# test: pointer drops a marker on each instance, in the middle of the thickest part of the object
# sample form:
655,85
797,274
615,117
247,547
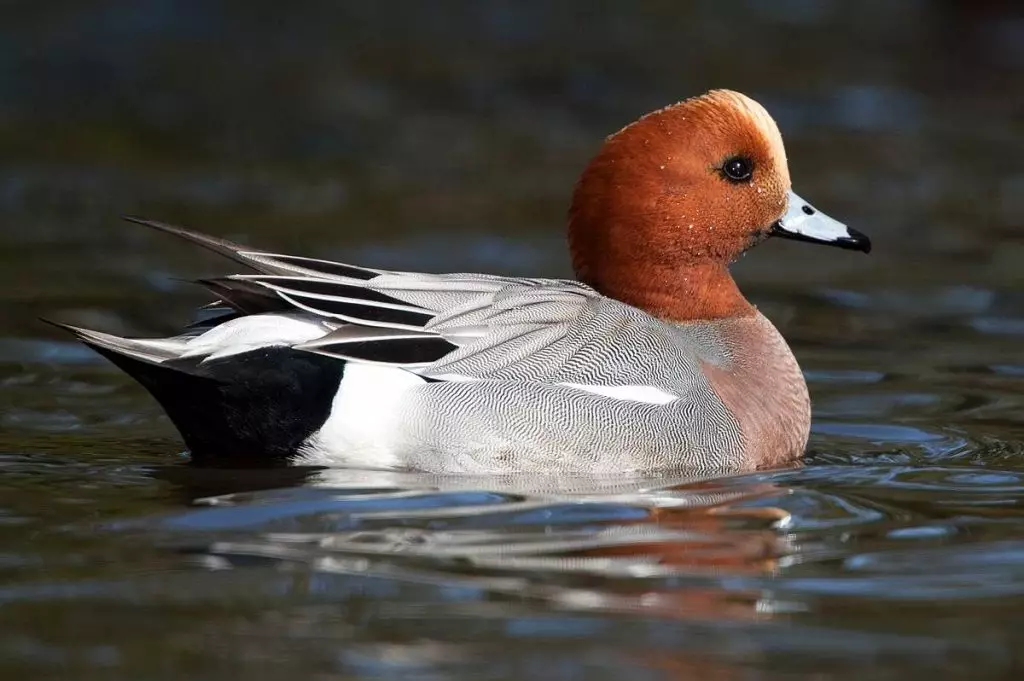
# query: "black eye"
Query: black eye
738,169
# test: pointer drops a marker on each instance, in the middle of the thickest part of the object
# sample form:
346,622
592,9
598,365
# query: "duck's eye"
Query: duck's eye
738,169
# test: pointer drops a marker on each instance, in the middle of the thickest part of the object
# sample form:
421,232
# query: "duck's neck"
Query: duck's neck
691,291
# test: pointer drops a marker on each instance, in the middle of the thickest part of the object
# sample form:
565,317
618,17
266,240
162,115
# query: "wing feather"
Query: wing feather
381,345
243,296
448,326
357,313
261,261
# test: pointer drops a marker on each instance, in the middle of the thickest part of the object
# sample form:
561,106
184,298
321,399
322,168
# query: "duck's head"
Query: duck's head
671,199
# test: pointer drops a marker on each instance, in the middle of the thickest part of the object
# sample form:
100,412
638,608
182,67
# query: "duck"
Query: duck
651,359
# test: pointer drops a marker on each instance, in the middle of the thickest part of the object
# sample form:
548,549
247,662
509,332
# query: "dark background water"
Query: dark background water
447,135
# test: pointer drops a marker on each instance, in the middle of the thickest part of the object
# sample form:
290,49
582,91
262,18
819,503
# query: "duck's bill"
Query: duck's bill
804,222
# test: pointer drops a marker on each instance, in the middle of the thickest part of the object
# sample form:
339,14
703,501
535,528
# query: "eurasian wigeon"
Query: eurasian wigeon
652,360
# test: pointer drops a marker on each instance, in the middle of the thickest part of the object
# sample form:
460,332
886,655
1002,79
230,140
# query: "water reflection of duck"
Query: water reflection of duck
660,546
656,360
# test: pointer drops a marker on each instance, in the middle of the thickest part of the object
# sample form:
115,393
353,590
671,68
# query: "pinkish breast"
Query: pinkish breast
762,386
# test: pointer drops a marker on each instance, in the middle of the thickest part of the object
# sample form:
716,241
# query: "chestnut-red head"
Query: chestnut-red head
671,199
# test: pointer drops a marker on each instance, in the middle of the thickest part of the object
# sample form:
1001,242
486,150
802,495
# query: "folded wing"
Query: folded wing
448,326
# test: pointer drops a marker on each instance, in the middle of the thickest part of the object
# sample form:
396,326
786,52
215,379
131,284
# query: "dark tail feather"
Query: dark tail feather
224,247
246,408
245,296
263,262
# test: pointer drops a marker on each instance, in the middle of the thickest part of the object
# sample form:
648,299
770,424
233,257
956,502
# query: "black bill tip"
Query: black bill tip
852,240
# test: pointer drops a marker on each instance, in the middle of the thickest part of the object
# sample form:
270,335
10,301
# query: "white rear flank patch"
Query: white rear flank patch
631,393
254,332
365,413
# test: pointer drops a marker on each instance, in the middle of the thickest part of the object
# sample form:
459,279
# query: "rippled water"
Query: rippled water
448,138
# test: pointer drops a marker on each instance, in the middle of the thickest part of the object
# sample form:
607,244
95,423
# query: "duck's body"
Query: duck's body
659,367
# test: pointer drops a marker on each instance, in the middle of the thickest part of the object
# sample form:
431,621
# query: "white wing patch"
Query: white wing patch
631,393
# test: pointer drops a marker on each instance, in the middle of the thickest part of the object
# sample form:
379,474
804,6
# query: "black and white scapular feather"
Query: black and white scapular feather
322,362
